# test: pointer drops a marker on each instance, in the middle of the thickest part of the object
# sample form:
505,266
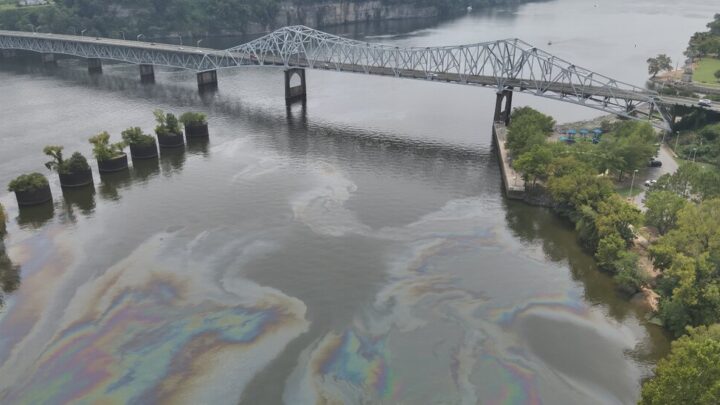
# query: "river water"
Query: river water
358,250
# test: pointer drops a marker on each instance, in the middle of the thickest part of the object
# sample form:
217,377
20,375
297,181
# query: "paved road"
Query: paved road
689,102
669,166
109,41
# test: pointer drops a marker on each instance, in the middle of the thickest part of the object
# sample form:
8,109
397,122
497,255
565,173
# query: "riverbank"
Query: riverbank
205,18
568,179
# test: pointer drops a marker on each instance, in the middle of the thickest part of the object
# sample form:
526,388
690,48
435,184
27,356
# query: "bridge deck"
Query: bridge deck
506,64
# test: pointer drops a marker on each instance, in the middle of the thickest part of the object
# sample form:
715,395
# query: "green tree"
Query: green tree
528,128
681,182
546,123
628,275
690,257
534,164
522,136
714,25
608,251
658,64
691,372
616,216
579,188
662,209
628,147
717,75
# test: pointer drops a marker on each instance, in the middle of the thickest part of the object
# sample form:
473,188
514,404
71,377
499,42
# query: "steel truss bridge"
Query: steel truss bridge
509,65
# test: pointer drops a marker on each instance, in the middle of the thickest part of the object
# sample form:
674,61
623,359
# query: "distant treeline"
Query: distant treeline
706,42
162,17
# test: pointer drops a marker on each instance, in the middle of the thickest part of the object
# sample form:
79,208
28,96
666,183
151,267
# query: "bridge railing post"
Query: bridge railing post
298,92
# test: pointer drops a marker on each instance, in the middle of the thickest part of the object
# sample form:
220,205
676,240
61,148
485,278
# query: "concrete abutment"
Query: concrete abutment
147,73
94,65
500,114
296,93
207,80
48,59
512,181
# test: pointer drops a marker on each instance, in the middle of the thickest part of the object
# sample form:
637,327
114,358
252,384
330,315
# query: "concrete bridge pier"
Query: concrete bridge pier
500,114
296,93
147,74
8,53
94,66
48,59
207,80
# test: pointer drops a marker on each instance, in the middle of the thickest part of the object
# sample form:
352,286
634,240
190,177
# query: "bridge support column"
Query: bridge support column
508,106
500,114
8,53
147,74
298,92
207,80
94,65
48,59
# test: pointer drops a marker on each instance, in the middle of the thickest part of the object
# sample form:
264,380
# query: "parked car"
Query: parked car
650,183
703,102
655,163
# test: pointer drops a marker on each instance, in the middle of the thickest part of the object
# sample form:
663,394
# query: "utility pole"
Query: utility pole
632,183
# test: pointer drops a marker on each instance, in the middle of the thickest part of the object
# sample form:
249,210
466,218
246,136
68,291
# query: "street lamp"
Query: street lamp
198,43
123,34
82,33
677,139
180,36
694,153
139,36
32,27
632,183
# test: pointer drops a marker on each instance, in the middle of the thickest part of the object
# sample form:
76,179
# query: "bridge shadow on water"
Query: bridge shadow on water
290,130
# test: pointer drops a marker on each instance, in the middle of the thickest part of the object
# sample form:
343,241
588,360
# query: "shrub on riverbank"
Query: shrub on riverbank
168,17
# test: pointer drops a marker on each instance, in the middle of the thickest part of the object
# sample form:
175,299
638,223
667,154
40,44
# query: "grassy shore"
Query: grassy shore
705,71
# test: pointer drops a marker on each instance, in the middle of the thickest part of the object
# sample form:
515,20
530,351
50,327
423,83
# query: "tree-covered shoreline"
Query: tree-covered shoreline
156,18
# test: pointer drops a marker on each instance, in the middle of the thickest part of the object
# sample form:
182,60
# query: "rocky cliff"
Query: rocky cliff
321,14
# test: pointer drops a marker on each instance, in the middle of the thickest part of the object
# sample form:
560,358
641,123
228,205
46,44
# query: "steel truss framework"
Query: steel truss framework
509,64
